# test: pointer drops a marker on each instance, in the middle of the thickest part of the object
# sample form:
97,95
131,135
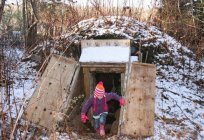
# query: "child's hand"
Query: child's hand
122,101
84,118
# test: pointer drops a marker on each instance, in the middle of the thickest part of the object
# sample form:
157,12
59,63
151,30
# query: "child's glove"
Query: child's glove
84,118
122,101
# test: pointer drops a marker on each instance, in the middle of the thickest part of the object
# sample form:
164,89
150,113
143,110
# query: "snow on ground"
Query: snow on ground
21,79
179,102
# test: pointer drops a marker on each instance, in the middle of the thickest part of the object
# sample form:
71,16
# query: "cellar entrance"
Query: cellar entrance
112,84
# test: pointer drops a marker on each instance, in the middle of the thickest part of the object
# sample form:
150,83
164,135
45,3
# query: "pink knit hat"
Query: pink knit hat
99,90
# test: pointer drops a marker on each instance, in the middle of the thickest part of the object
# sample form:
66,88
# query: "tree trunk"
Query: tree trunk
34,7
2,8
32,33
32,27
24,22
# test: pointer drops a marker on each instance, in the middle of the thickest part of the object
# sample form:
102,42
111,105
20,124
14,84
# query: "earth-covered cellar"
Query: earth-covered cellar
179,82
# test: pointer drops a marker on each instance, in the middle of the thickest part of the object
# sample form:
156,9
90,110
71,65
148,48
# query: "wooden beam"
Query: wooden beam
86,81
103,65
107,70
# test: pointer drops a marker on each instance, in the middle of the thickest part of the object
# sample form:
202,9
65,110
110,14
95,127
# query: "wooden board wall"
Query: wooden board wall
105,42
53,90
138,114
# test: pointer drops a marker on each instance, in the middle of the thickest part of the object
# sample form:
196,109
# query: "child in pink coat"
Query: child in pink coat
100,109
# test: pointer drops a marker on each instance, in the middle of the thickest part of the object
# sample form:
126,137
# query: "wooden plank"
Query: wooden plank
47,99
102,65
104,42
122,77
86,81
107,70
139,96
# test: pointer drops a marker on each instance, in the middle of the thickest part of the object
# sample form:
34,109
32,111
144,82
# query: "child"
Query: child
99,103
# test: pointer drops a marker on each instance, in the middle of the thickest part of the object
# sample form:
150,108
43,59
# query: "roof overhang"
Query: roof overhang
106,53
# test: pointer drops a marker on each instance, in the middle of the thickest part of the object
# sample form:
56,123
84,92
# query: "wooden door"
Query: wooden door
137,119
52,95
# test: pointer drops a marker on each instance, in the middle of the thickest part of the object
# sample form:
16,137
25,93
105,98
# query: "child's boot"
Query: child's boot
102,131
98,131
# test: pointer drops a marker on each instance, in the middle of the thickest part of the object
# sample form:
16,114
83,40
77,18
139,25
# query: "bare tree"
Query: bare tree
2,8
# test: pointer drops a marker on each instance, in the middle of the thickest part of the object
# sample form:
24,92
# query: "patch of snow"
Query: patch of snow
22,75
107,54
133,59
